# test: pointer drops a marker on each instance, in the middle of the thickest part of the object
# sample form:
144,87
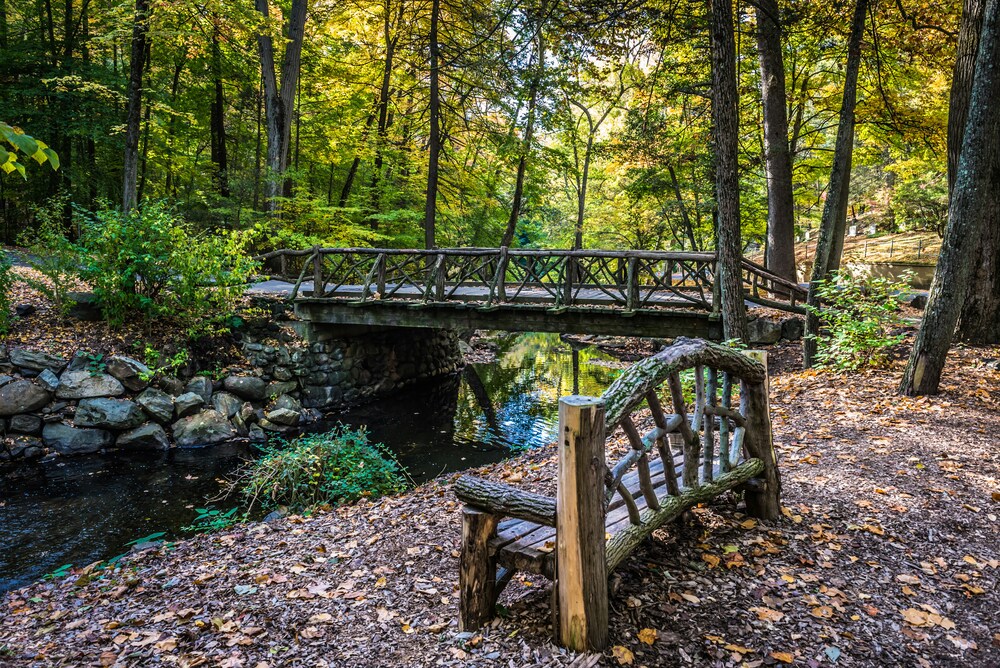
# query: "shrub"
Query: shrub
7,280
51,254
859,315
314,470
148,262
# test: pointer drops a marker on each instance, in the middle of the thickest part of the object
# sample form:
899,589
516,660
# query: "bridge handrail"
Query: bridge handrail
480,251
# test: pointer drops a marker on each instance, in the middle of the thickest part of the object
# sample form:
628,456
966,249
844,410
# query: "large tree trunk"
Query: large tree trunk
278,99
218,118
434,140
976,179
840,175
725,137
980,318
140,31
529,129
780,253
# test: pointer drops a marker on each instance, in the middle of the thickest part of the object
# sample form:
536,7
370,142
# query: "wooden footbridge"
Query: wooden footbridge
715,436
641,293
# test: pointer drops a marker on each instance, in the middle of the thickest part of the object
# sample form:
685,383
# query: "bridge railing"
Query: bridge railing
493,276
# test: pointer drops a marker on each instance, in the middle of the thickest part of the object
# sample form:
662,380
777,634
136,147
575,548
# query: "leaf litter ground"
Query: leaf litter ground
887,555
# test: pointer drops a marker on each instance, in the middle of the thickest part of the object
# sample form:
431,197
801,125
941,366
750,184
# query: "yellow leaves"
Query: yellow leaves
784,657
648,636
822,612
908,579
962,643
928,617
767,614
623,655
710,559
748,524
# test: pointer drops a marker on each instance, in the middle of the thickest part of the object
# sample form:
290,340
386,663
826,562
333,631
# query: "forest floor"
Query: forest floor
887,555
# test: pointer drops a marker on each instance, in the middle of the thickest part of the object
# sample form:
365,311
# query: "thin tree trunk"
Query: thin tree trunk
352,172
581,191
385,92
977,176
685,217
140,30
218,117
780,255
175,82
434,140
725,137
529,128
839,180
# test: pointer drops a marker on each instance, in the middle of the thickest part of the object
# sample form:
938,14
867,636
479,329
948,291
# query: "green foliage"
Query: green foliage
51,254
314,470
95,363
7,280
859,315
60,572
148,262
211,519
24,144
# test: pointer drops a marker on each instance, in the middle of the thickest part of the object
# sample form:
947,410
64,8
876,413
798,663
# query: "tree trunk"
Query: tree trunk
385,92
140,31
725,137
780,254
980,319
581,191
434,140
685,217
529,129
839,180
976,178
218,117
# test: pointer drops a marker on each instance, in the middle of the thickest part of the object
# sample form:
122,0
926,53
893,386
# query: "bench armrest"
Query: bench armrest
506,501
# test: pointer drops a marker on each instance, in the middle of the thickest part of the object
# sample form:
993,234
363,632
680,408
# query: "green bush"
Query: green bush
149,263
7,280
858,315
51,253
314,470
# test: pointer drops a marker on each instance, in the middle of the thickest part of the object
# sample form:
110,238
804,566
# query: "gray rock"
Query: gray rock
205,428
26,424
129,371
792,329
22,447
171,385
68,440
246,387
4,379
762,330
919,301
147,437
187,404
289,402
284,416
257,434
22,396
276,389
273,427
201,386
80,361
226,403
49,380
315,396
158,404
85,307
280,373
83,385
240,425
25,310
117,414
37,360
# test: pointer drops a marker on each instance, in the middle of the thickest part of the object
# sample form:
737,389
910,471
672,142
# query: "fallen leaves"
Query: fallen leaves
927,617
623,655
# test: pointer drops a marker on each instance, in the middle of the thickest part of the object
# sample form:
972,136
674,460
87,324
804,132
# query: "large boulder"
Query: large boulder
84,385
22,396
117,414
200,385
289,402
792,329
187,404
763,331
159,405
206,428
147,437
26,424
226,403
278,388
250,388
68,440
37,360
129,371
284,416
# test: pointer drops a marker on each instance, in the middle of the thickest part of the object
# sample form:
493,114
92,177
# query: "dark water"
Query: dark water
85,509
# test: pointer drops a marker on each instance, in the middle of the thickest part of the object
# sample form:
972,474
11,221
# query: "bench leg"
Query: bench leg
477,570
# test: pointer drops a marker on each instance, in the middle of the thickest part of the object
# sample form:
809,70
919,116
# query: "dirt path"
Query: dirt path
887,556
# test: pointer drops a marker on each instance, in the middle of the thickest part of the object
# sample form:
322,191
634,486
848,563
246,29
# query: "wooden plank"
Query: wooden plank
581,568
476,570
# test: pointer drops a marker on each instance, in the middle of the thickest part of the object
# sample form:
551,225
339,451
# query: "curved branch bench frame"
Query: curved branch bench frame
602,512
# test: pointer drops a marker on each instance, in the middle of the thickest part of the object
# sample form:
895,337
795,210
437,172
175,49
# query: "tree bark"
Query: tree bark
529,128
980,319
140,32
218,117
976,178
685,216
725,137
385,92
434,140
839,180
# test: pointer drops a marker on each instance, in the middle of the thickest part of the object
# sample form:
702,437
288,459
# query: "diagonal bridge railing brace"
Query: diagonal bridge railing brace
624,280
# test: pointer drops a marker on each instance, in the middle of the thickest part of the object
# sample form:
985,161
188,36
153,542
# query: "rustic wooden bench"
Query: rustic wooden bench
716,438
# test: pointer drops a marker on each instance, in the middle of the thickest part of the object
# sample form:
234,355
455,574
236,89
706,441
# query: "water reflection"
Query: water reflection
87,508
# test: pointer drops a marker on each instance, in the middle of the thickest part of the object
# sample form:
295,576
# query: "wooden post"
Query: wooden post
716,292
380,275
283,265
764,503
317,273
440,271
581,569
477,570
501,278
569,279
632,281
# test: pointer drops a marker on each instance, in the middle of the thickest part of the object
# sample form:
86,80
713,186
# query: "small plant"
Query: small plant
51,254
315,470
160,362
60,572
7,280
859,316
95,363
210,519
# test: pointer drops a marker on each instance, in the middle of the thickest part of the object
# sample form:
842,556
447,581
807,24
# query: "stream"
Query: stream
84,509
